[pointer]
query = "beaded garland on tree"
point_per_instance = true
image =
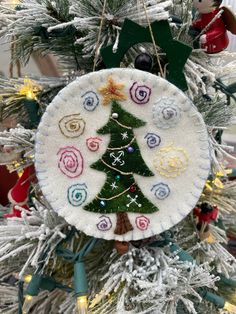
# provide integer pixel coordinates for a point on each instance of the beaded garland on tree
(114, 154)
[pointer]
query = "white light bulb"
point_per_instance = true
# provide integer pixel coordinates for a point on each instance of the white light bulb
(27, 304)
(82, 304)
(230, 307)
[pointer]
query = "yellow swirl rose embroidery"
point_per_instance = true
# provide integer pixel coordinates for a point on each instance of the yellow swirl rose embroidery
(72, 125)
(171, 161)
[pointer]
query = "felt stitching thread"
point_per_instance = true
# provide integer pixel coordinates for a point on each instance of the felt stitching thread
(71, 161)
(123, 126)
(161, 191)
(142, 222)
(114, 186)
(117, 159)
(123, 147)
(93, 144)
(124, 135)
(77, 194)
(166, 114)
(113, 168)
(153, 39)
(112, 91)
(91, 100)
(72, 125)
(105, 224)
(153, 140)
(140, 94)
(133, 200)
(114, 197)
(171, 161)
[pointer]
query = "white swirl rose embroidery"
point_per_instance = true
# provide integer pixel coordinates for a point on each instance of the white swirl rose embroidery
(166, 114)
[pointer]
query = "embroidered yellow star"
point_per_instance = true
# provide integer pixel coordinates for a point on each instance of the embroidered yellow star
(112, 91)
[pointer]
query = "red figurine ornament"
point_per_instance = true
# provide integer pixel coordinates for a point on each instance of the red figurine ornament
(18, 195)
(212, 23)
(204, 215)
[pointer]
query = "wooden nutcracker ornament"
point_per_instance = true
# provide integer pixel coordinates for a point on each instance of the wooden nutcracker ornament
(213, 22)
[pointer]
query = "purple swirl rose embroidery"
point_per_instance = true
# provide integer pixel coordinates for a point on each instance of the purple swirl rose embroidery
(104, 224)
(153, 140)
(71, 162)
(140, 94)
(142, 222)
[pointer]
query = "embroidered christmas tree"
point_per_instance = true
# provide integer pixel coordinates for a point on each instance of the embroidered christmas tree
(122, 159)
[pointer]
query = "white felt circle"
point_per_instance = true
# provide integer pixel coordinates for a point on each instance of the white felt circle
(173, 144)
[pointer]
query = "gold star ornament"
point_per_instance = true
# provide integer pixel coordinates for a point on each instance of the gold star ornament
(112, 91)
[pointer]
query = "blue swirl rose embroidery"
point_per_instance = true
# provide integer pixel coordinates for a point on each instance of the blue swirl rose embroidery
(161, 191)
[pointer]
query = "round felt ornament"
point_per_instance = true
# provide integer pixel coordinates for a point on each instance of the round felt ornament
(122, 154)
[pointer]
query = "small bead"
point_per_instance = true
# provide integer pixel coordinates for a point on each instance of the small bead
(130, 149)
(132, 189)
(102, 203)
(143, 62)
(118, 178)
(115, 115)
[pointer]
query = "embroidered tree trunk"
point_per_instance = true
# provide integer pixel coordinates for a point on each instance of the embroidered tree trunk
(123, 224)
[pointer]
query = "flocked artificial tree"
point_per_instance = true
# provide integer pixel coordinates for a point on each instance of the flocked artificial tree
(47, 264)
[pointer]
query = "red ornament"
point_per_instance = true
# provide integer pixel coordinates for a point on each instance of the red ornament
(215, 38)
(132, 188)
(18, 195)
(6, 184)
(206, 215)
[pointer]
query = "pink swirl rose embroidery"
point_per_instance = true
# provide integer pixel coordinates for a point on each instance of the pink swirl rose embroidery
(93, 143)
(142, 222)
(71, 161)
(140, 94)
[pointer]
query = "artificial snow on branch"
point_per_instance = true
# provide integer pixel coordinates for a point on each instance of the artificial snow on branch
(18, 147)
(27, 24)
(14, 92)
(147, 280)
(37, 234)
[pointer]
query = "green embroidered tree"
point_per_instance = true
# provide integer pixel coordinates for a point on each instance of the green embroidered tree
(122, 159)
